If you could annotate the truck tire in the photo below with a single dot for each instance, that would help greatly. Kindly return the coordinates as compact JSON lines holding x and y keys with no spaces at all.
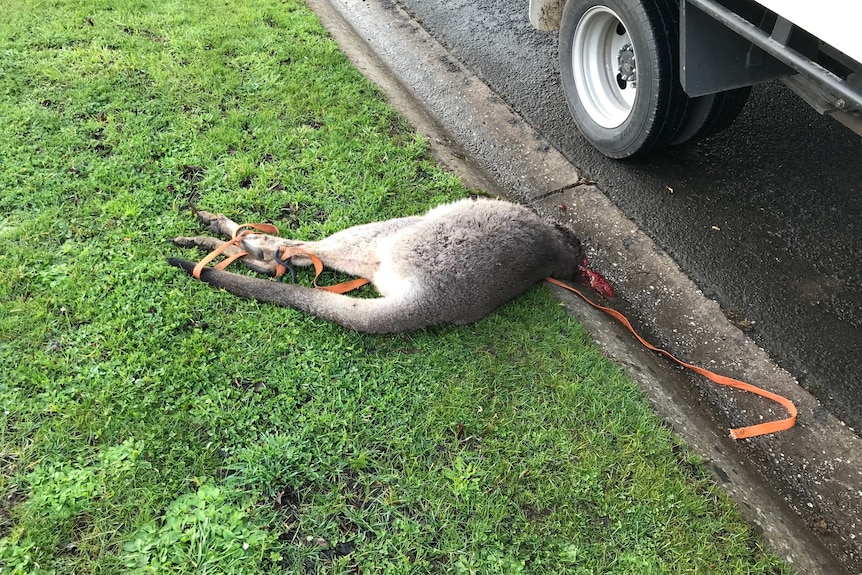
{"x":620,"y":73}
{"x":712,"y":114}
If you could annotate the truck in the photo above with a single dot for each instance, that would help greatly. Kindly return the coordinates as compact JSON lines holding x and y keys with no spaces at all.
{"x":641,"y":76}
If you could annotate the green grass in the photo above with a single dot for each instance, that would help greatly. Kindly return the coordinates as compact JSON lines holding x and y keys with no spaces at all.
{"x":151,"y":424}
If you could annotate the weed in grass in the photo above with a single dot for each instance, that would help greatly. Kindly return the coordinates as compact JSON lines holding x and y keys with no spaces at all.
{"x":148,"y":423}
{"x":201,"y":532}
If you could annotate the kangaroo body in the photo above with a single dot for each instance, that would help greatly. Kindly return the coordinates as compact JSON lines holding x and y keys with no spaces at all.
{"x":455,"y":264}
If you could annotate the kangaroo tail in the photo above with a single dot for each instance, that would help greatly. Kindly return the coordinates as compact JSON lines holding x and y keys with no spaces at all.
{"x":377,"y":315}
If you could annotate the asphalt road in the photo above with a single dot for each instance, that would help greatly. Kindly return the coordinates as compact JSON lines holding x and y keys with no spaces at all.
{"x":766,"y":218}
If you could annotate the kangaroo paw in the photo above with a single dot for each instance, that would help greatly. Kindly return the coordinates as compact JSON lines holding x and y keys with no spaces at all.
{"x":219,"y":224}
{"x":205,"y":243}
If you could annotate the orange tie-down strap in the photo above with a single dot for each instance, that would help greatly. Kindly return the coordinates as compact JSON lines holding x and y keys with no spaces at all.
{"x":285,"y":253}
{"x":738,"y":433}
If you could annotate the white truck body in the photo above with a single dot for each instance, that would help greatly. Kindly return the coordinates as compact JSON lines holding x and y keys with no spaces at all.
{"x":835,"y":22}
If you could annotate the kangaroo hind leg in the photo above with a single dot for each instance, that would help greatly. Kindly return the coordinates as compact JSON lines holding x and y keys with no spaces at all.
{"x":375,"y":315}
{"x":354,"y":250}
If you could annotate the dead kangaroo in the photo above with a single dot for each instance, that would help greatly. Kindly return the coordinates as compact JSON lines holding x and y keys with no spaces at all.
{"x":455,"y":264}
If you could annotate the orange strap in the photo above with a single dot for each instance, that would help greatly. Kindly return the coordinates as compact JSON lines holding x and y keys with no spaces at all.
{"x":235,"y":240}
{"x":285,"y":253}
{"x":738,"y":433}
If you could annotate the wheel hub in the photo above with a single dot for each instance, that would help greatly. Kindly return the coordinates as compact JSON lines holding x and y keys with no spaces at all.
{"x":626,"y":64}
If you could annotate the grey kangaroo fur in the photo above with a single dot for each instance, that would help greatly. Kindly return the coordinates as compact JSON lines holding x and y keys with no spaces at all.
{"x":455,"y":264}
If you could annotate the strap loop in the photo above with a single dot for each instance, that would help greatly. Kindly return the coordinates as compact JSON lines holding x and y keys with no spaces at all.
{"x":285,"y":253}
{"x":282,"y":259}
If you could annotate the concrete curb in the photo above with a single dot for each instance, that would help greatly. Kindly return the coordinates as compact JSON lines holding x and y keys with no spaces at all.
{"x":802,"y":488}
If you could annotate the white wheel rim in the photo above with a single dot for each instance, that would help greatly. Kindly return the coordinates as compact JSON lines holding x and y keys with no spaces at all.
{"x":600,"y":39}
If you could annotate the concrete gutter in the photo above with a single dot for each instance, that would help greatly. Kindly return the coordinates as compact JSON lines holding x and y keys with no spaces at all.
{"x":802,"y":488}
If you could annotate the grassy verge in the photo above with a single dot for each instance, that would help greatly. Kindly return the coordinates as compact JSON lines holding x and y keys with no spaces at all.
{"x":150,"y":424}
